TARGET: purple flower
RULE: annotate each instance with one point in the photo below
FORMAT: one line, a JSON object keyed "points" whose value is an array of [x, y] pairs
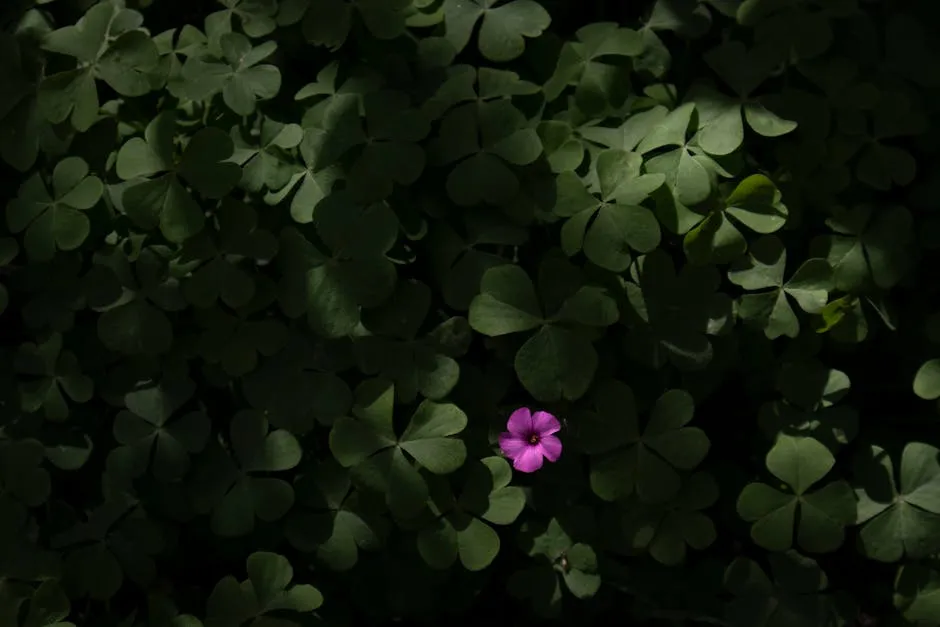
{"points": [[530, 438]]}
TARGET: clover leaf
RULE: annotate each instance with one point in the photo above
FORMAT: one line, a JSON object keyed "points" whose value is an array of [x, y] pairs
{"points": [[352, 271], [163, 201], [458, 526], [666, 530], [558, 360], [328, 22], [559, 558], [267, 590], [625, 461], [257, 17], [149, 437], [459, 259], [8, 251], [220, 276], [46, 372], [391, 153], [720, 127], [264, 156], [367, 443], [690, 174], [57, 221], [425, 365], [235, 342], [117, 541], [296, 390], [585, 63], [46, 606], [239, 74], [107, 43], [770, 310], [503, 27], [871, 247], [755, 203], [670, 314], [795, 596], [927, 380], [917, 593], [483, 138], [900, 518], [337, 521], [132, 296], [22, 476], [231, 488], [608, 228], [800, 462]]}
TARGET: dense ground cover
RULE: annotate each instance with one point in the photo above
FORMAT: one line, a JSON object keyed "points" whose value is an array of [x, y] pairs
{"points": [[285, 285]]}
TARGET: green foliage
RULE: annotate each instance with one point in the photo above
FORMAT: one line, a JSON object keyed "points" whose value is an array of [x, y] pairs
{"points": [[274, 274]]}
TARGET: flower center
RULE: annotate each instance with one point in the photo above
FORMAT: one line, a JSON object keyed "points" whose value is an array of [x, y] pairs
{"points": [[534, 438]]}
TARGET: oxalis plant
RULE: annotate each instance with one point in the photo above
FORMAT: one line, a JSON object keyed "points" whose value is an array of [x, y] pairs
{"points": [[372, 312]]}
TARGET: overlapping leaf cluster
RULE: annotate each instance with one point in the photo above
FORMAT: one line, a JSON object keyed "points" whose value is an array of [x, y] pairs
{"points": [[274, 273]]}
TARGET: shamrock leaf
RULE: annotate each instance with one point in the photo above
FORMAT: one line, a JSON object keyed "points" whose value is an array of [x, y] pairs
{"points": [[267, 590], [458, 527], [927, 380], [55, 222], [47, 371], [8, 251], [328, 22], [670, 314], [117, 541], [795, 595], [460, 259], [917, 593], [353, 271], [257, 17], [503, 27], [559, 558], [235, 342], [871, 247], [394, 353], [132, 298], [391, 153], [482, 138], [624, 461], [150, 439], [107, 43], [263, 157], [666, 530], [720, 127], [563, 149], [558, 360], [297, 388], [22, 476], [231, 489], [754, 203], [46, 606], [163, 201], [586, 63], [367, 443], [239, 75], [770, 310], [800, 462], [220, 276], [337, 521], [608, 228], [898, 518], [689, 173]]}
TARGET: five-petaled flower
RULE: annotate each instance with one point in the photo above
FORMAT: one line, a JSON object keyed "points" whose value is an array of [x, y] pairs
{"points": [[530, 438]]}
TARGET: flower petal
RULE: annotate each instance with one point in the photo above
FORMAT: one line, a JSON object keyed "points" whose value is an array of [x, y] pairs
{"points": [[520, 422], [545, 423], [550, 446], [512, 445], [529, 461]]}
